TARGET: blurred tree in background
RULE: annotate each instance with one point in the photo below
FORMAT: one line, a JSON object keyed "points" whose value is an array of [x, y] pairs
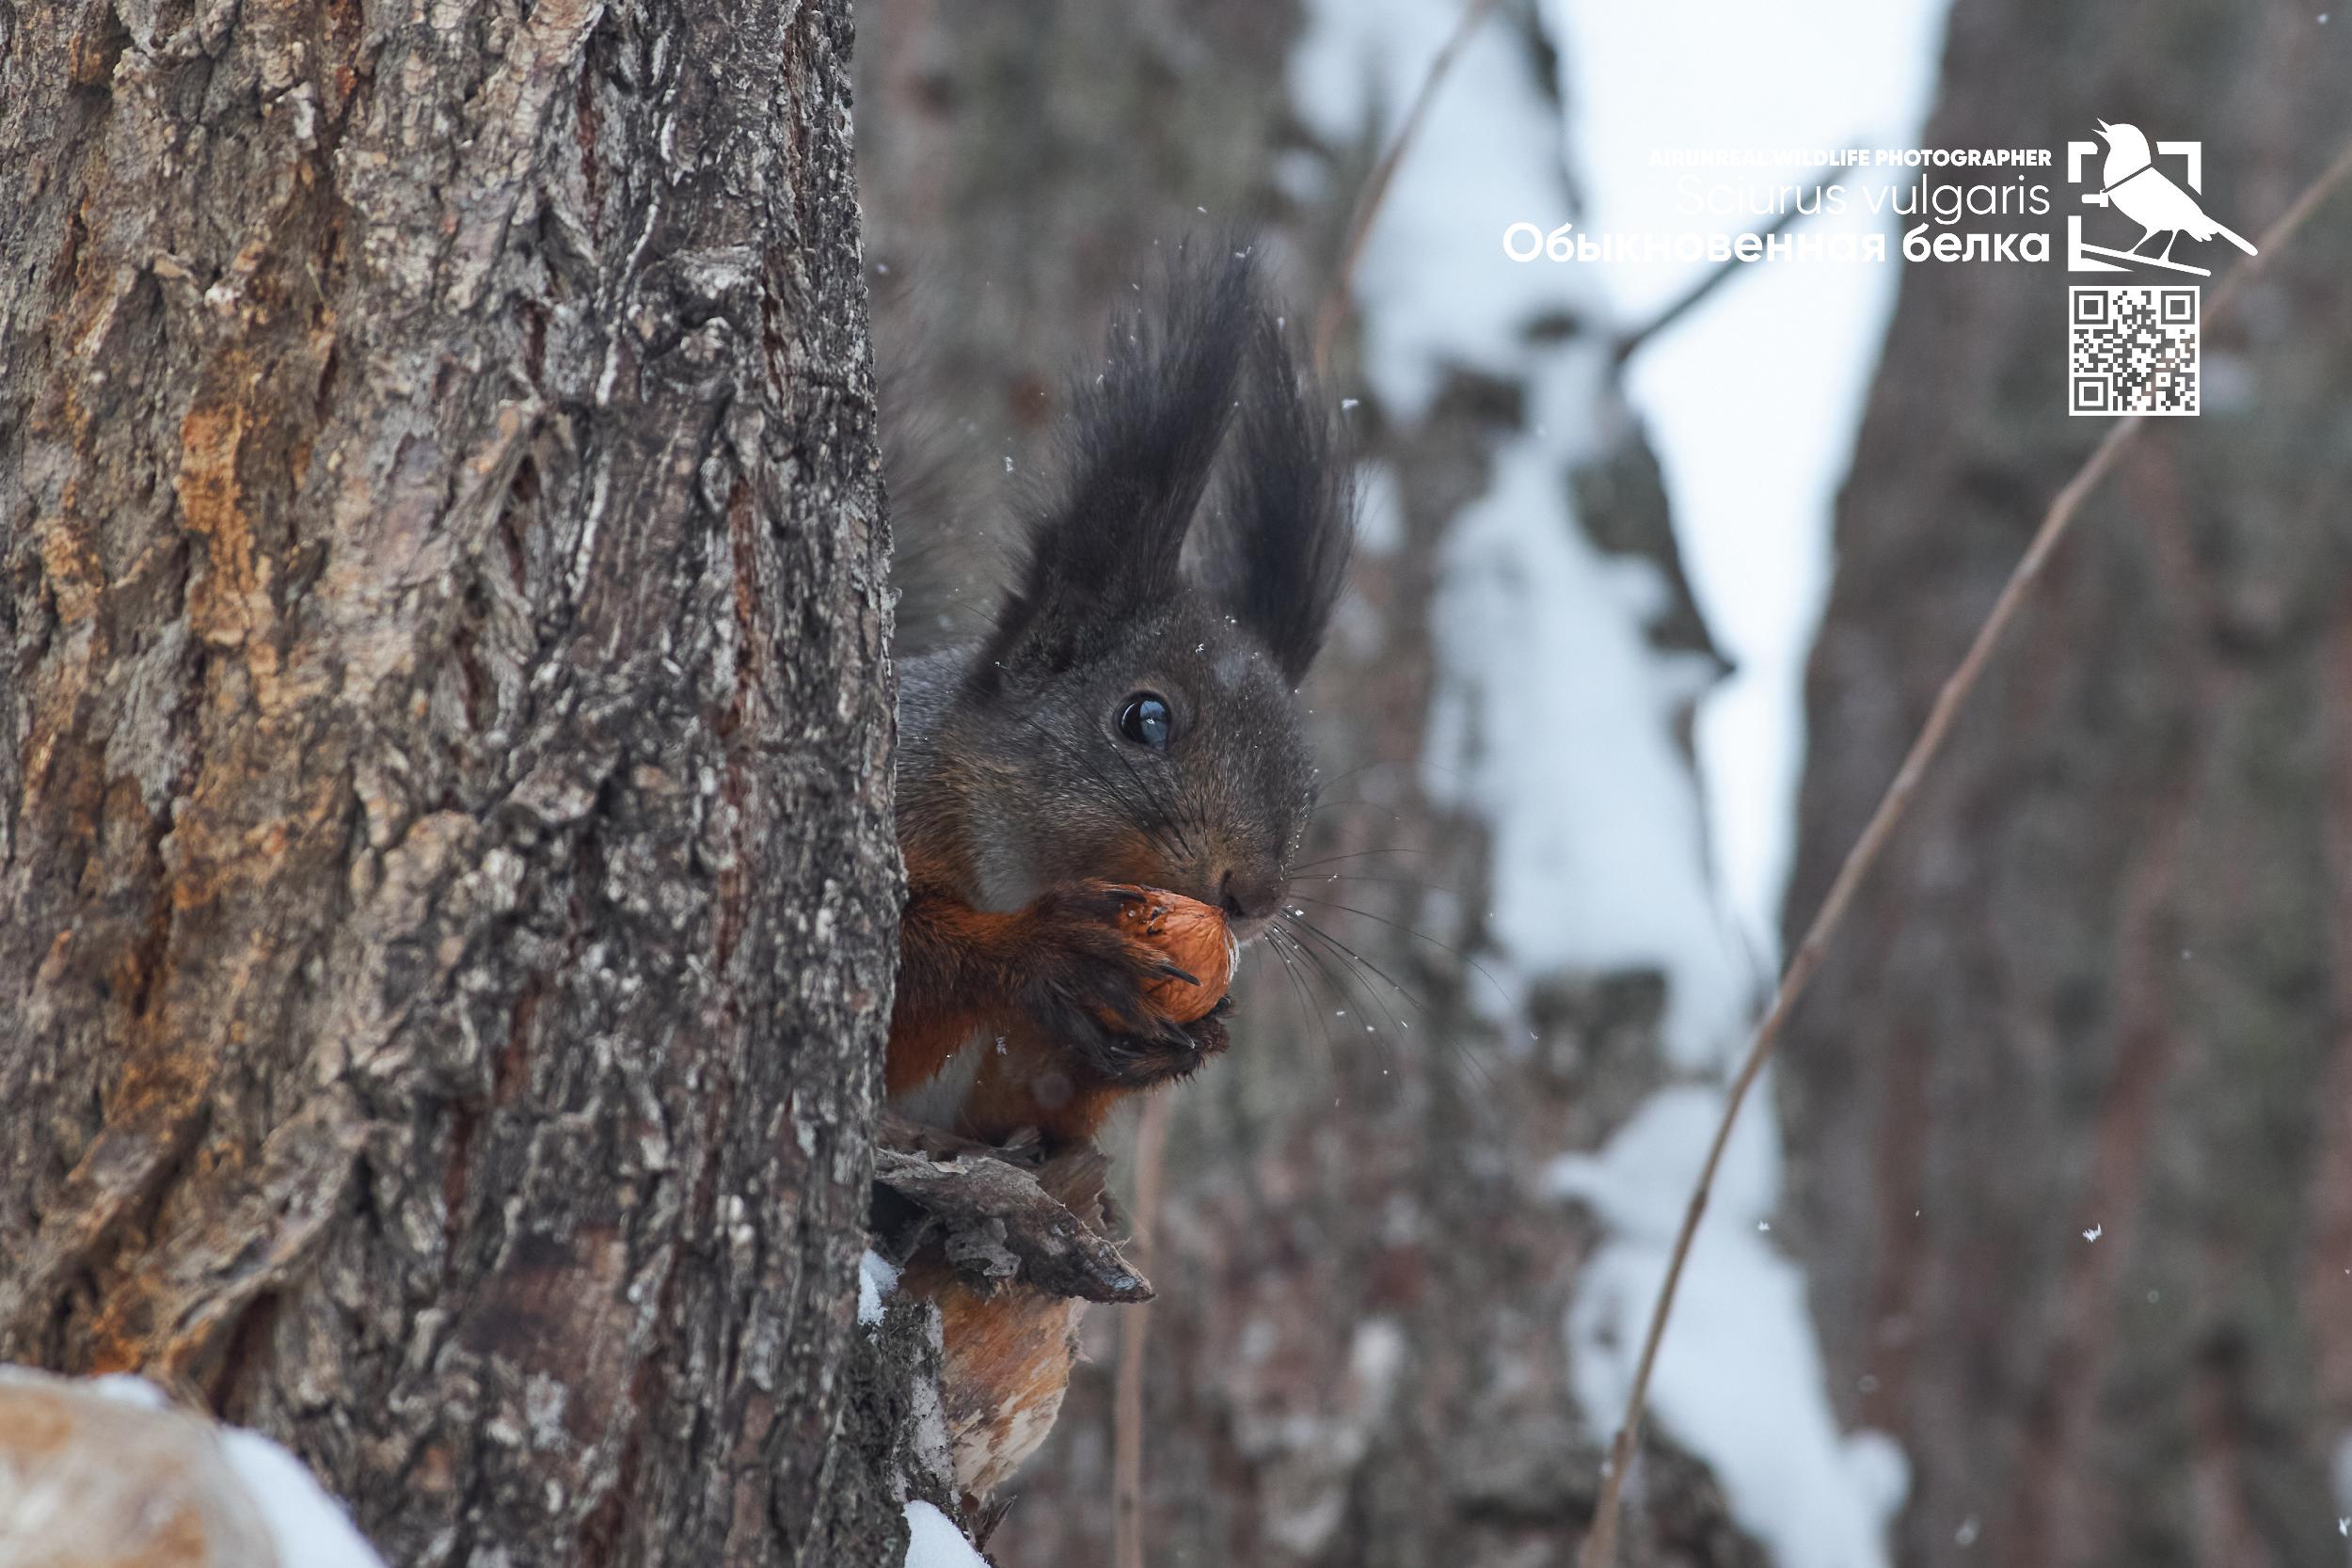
{"points": [[2103, 981]]}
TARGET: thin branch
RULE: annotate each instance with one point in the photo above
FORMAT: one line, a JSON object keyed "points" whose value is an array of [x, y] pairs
{"points": [[1717, 276], [1127, 1409], [1600, 1547], [1334, 308]]}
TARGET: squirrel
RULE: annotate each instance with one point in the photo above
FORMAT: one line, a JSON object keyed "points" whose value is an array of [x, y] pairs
{"points": [[1131, 721]]}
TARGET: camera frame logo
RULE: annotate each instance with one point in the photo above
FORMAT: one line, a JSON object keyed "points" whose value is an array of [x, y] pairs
{"points": [[2135, 348], [2132, 186]]}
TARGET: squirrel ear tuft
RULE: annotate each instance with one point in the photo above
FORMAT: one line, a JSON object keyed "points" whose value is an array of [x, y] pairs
{"points": [[1136, 455], [1290, 517]]}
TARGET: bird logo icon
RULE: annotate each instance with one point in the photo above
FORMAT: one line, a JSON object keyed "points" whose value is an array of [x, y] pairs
{"points": [[2130, 184]]}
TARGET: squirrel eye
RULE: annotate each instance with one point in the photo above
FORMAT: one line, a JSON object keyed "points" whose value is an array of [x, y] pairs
{"points": [[1145, 719]]}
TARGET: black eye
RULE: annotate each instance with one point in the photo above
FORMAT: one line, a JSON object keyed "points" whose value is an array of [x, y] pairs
{"points": [[1144, 719]]}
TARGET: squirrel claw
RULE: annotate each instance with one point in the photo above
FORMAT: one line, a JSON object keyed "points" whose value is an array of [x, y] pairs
{"points": [[1170, 1052], [1089, 989]]}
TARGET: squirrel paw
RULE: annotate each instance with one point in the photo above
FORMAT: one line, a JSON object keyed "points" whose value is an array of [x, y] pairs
{"points": [[1135, 1063], [1087, 978]]}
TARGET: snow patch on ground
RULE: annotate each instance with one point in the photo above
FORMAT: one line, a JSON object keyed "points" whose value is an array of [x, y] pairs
{"points": [[933, 1541]]}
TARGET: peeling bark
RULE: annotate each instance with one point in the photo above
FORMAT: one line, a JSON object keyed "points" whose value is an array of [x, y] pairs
{"points": [[446, 877]]}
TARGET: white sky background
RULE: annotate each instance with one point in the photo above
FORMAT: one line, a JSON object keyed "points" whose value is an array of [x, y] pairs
{"points": [[1752, 401]]}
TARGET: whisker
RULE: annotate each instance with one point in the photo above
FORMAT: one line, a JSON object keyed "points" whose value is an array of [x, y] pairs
{"points": [[1415, 763], [1500, 995], [1138, 802], [1378, 881], [1428, 1016], [1396, 813], [1355, 986], [1350, 957], [1301, 990], [1160, 794], [1360, 854]]}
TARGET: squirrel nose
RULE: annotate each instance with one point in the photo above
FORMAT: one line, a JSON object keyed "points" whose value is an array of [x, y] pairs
{"points": [[1252, 897]]}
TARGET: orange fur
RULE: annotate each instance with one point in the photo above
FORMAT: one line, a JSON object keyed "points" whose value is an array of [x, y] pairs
{"points": [[1007, 1353], [960, 970], [1031, 1083], [1007, 1365]]}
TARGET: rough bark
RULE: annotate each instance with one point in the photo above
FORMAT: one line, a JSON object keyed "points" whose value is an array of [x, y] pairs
{"points": [[2104, 977], [446, 877], [1358, 1351]]}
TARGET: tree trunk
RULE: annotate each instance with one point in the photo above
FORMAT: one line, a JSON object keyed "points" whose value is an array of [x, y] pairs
{"points": [[447, 887], [2071, 1101]]}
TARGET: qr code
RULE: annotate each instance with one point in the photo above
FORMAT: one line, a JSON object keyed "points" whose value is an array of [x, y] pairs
{"points": [[2132, 350]]}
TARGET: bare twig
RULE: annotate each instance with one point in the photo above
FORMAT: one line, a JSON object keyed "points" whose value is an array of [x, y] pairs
{"points": [[1600, 1547], [1716, 277], [1127, 1410], [1334, 310]]}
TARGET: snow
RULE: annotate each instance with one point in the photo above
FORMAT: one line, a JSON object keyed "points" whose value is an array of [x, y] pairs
{"points": [[877, 1276], [1739, 1377], [1753, 400], [1432, 288], [933, 1541], [124, 1388], [308, 1528], [1553, 722], [1553, 717], [2342, 1468]]}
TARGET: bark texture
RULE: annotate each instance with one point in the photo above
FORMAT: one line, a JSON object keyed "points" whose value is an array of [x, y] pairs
{"points": [[446, 876], [1358, 1351], [2102, 980]]}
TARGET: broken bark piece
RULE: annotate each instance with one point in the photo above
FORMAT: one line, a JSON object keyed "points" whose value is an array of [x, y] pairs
{"points": [[1001, 1223]]}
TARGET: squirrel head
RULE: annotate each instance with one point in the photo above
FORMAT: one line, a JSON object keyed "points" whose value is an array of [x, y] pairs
{"points": [[1135, 716]]}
